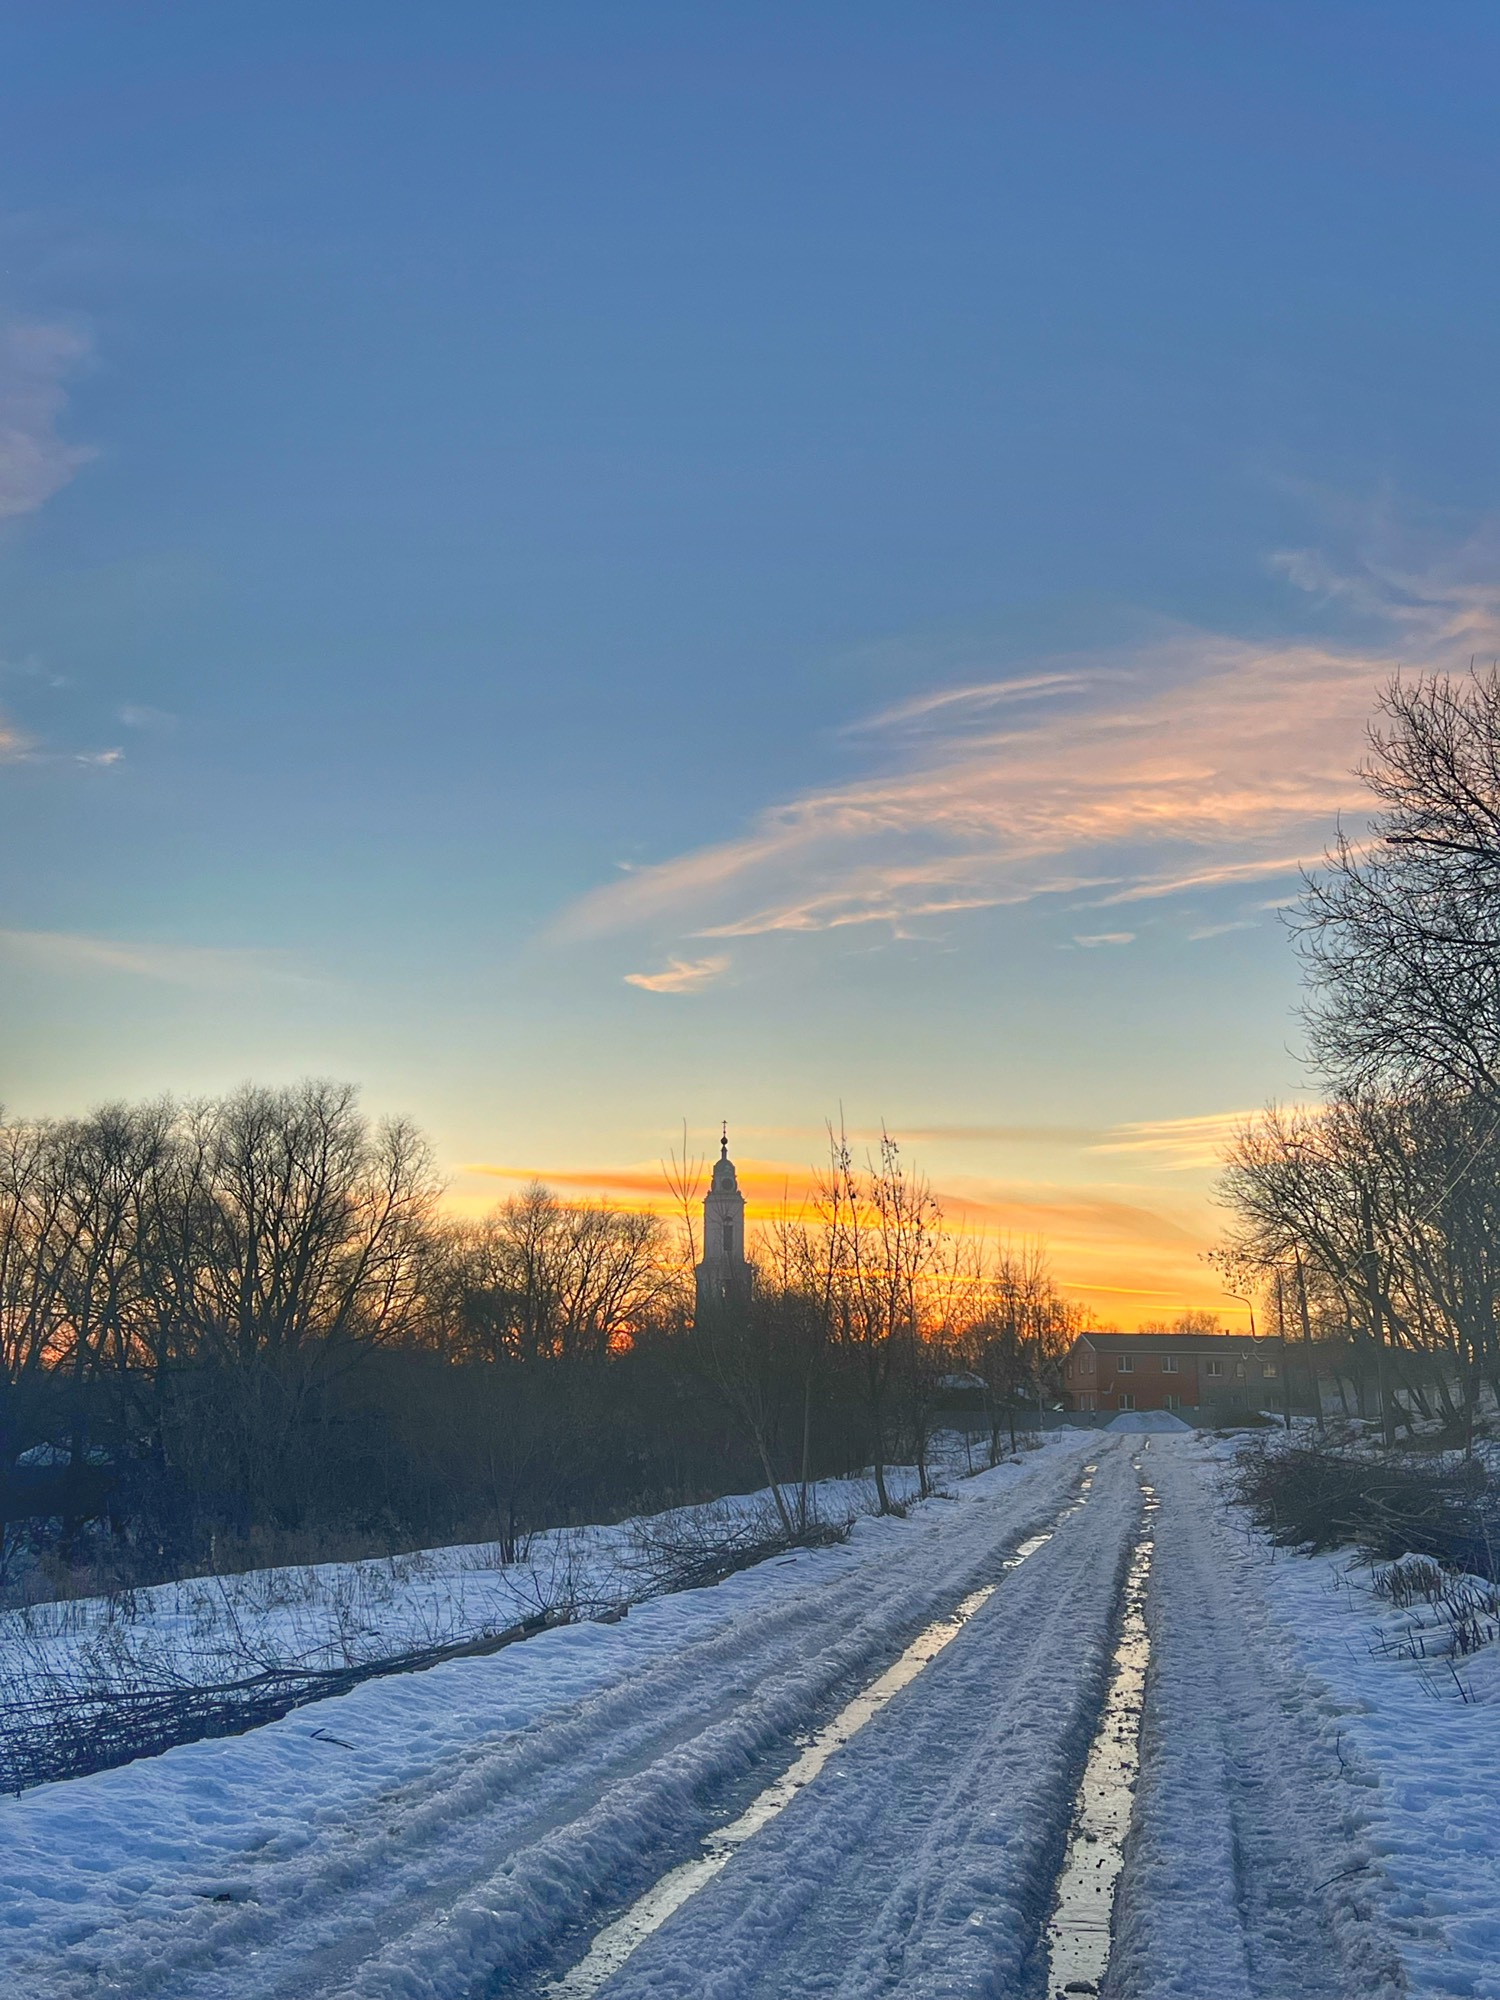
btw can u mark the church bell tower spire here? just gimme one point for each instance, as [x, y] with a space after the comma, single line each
[725, 1275]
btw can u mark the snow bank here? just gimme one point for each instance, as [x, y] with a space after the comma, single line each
[1427, 1747]
[209, 1630]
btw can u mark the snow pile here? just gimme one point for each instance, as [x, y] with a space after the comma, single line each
[1148, 1420]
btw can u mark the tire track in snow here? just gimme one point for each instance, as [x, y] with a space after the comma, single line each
[619, 1940]
[924, 1859]
[1081, 1928]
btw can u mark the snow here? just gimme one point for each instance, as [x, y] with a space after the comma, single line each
[211, 1629]
[1348, 1795]
[1426, 1758]
[1247, 1869]
[1318, 1815]
[924, 1863]
[1147, 1420]
[412, 1836]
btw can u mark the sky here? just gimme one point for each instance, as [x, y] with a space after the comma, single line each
[586, 567]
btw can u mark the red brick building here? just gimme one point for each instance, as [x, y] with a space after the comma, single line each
[1207, 1372]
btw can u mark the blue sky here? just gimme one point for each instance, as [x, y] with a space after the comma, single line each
[877, 524]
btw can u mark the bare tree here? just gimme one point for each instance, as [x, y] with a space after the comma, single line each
[1400, 933]
[1018, 1337]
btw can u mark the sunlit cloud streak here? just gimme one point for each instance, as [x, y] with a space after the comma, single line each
[681, 975]
[987, 695]
[1205, 931]
[1194, 763]
[1179, 1144]
[36, 358]
[75, 953]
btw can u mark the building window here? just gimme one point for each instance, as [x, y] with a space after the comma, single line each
[1169, 1364]
[1268, 1370]
[1214, 1367]
[1126, 1400]
[1125, 1364]
[1173, 1402]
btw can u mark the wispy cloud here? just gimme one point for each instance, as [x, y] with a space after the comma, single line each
[1000, 1135]
[78, 954]
[1192, 763]
[1105, 937]
[681, 975]
[1205, 931]
[947, 703]
[36, 358]
[1177, 1143]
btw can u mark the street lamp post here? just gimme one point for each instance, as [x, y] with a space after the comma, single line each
[1249, 1305]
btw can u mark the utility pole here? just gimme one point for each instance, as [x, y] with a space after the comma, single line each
[1286, 1373]
[1315, 1387]
[1377, 1319]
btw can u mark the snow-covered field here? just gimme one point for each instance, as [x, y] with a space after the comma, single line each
[212, 1629]
[1314, 1821]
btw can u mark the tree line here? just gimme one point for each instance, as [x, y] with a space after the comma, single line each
[247, 1327]
[1371, 1221]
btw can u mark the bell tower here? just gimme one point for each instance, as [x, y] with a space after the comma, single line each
[725, 1273]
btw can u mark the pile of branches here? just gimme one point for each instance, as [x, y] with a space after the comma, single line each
[85, 1726]
[1324, 1495]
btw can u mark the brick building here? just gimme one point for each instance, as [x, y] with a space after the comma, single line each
[1209, 1373]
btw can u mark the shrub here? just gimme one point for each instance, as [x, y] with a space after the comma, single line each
[1325, 1495]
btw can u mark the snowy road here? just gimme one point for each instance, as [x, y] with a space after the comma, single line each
[920, 1859]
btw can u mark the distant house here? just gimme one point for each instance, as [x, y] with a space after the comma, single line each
[1209, 1373]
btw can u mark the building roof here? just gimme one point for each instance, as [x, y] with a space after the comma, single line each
[1174, 1343]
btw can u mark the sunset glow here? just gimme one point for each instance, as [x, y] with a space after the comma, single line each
[1129, 1251]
